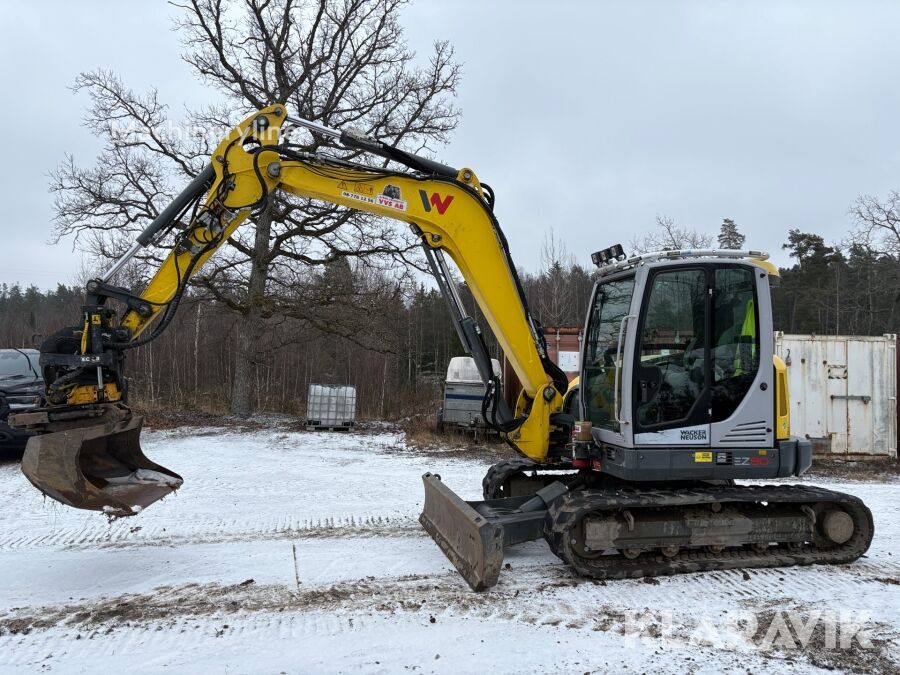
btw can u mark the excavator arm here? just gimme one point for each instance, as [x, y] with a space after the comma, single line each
[453, 218]
[86, 452]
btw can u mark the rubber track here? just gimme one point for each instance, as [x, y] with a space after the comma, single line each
[496, 476]
[565, 513]
[493, 483]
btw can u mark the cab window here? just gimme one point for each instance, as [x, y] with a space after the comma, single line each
[670, 373]
[735, 345]
[603, 353]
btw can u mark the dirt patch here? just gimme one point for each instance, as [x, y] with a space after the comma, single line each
[410, 593]
[862, 470]
[435, 598]
[891, 581]
[170, 419]
[830, 644]
[422, 439]
[165, 420]
[168, 603]
[489, 454]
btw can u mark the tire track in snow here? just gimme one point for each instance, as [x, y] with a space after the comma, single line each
[179, 611]
[438, 592]
[535, 594]
[286, 642]
[122, 534]
[540, 596]
[155, 646]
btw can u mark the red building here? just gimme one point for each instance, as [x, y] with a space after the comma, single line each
[564, 349]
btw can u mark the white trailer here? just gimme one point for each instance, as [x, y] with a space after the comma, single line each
[331, 406]
[463, 394]
[843, 391]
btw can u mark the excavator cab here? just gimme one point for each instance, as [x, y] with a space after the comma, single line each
[679, 396]
[674, 368]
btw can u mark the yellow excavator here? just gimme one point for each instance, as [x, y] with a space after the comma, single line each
[632, 474]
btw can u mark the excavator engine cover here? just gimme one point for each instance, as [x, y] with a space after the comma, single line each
[99, 467]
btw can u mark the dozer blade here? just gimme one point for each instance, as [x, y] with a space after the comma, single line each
[99, 467]
[471, 542]
[473, 534]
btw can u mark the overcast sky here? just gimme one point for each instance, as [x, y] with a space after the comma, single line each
[586, 117]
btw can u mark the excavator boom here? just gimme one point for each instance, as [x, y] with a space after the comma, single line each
[86, 452]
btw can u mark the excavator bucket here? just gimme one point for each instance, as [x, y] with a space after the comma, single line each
[99, 467]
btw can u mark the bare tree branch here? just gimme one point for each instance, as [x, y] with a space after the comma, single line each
[669, 236]
[341, 62]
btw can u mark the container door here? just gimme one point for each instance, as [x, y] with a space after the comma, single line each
[862, 401]
[872, 396]
[834, 371]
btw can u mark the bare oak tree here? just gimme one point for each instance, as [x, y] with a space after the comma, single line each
[342, 63]
[668, 236]
[878, 224]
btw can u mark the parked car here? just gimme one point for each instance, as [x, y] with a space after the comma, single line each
[21, 388]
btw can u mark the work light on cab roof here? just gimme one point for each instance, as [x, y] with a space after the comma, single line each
[608, 255]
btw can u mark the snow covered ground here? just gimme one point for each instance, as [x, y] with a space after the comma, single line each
[300, 552]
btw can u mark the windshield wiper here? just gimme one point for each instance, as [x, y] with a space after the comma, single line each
[30, 367]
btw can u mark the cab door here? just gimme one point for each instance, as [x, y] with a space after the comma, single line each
[670, 380]
[603, 385]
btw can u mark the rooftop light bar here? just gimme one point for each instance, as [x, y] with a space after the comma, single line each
[616, 264]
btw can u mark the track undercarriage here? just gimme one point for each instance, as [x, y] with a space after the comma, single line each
[606, 528]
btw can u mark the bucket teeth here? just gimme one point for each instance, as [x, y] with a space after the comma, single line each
[99, 467]
[471, 542]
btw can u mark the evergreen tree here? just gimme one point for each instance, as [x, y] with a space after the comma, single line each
[729, 236]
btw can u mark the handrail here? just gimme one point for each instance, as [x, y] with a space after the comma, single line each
[616, 411]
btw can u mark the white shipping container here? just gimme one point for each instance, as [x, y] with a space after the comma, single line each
[843, 391]
[331, 405]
